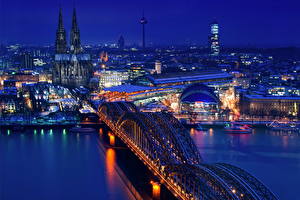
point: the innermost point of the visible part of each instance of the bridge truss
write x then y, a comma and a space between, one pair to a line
161, 142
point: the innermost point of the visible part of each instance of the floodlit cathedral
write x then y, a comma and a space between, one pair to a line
72, 68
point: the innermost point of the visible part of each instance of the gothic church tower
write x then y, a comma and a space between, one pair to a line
72, 67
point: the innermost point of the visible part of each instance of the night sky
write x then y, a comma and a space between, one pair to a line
255, 22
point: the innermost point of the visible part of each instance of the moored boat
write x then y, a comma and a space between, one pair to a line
237, 128
284, 126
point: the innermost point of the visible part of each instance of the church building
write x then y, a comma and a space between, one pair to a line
72, 67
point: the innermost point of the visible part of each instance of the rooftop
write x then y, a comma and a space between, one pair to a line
261, 97
128, 88
187, 76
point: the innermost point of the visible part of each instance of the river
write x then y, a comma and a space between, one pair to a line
272, 157
55, 164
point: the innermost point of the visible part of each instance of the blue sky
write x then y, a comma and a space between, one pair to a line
256, 22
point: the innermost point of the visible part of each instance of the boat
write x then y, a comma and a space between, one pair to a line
79, 129
283, 126
237, 128
200, 128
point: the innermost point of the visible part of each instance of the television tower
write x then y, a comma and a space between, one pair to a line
143, 21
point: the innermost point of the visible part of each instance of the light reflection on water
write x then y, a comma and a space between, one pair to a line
45, 164
110, 163
272, 157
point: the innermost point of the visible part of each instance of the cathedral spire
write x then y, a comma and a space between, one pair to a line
60, 20
61, 42
74, 20
75, 35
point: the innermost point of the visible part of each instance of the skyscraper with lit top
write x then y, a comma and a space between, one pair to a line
214, 40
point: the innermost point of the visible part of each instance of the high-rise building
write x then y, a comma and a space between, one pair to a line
143, 21
158, 67
26, 61
71, 68
214, 41
121, 43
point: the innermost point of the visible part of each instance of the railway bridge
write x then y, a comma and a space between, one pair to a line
161, 142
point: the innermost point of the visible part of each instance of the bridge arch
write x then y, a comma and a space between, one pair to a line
166, 147
114, 110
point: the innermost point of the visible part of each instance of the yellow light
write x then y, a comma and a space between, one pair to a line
155, 189
111, 139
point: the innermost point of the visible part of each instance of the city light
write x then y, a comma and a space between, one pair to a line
111, 139
155, 189
176, 115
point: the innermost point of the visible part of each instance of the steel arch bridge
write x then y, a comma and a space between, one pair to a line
161, 142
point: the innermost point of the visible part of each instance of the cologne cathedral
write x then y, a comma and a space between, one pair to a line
72, 67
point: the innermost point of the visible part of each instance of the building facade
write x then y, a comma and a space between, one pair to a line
72, 67
214, 39
272, 106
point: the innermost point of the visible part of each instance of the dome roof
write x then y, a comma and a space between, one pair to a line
199, 93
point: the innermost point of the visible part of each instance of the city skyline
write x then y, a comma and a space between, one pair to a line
143, 99
170, 22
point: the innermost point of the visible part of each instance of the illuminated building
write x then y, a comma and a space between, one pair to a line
20, 78
9, 101
136, 71
214, 40
200, 99
45, 77
137, 94
110, 78
283, 91
42, 97
38, 62
38, 94
158, 67
73, 68
274, 106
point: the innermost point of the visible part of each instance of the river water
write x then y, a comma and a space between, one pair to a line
272, 157
55, 164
